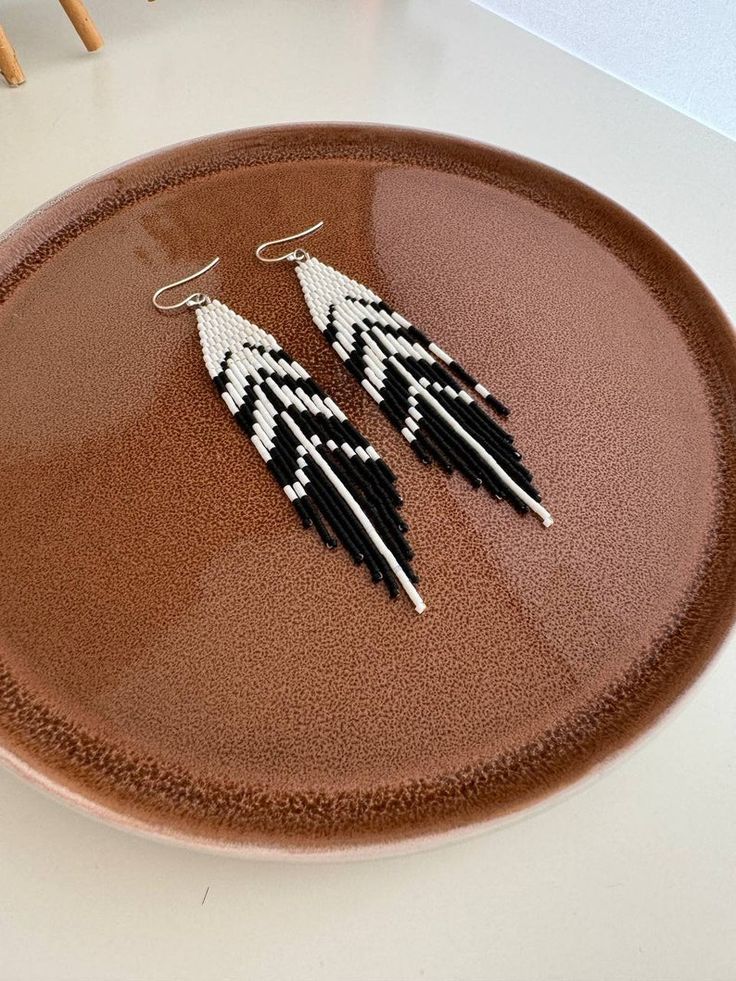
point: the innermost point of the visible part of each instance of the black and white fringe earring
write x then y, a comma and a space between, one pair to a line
407, 375
335, 480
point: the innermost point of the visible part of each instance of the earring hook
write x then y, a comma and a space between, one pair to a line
297, 255
194, 299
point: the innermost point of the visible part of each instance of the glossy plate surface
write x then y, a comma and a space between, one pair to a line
176, 653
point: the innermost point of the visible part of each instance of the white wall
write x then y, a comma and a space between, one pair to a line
682, 52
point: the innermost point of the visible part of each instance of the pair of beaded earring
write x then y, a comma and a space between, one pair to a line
335, 479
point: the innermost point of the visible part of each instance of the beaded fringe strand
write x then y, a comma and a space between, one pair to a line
408, 376
333, 477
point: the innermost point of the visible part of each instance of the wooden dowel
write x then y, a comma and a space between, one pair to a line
9, 67
83, 24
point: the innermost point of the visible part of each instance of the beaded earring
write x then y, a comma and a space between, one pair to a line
407, 375
333, 477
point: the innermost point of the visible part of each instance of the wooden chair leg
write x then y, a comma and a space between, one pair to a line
9, 67
83, 24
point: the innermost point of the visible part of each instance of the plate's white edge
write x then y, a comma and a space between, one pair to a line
359, 852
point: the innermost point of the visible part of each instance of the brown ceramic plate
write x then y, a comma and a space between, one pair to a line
178, 655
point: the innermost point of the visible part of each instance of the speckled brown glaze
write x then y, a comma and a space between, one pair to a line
176, 649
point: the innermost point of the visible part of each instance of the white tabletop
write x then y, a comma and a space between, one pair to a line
633, 877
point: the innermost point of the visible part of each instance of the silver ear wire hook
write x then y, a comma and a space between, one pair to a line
298, 255
194, 299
